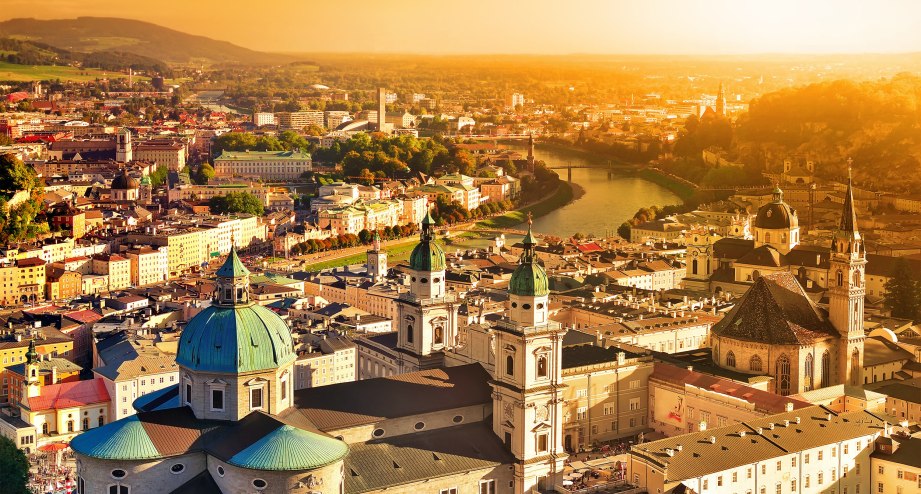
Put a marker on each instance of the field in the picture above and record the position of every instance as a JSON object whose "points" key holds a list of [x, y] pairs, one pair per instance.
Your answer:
{"points": [[396, 254], [18, 73]]}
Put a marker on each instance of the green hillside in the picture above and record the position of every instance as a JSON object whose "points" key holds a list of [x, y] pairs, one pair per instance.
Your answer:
{"points": [[102, 34]]}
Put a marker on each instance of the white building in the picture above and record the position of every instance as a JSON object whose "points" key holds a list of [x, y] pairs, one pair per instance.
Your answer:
{"points": [[272, 165]]}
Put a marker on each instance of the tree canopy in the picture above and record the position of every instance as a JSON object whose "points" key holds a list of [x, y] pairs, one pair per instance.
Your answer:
{"points": [[237, 202], [14, 467], [903, 292]]}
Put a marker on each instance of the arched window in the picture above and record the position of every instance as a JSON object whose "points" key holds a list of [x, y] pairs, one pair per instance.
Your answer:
{"points": [[755, 275], [101, 421], [855, 367], [840, 277], [510, 365], [767, 238], [782, 375], [70, 426], [409, 333], [694, 266], [730, 359], [542, 366], [826, 370], [45, 428], [86, 423], [754, 364], [857, 278], [439, 337], [808, 372]]}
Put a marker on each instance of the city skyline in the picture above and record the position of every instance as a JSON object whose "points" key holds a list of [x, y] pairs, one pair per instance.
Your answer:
{"points": [[709, 27]]}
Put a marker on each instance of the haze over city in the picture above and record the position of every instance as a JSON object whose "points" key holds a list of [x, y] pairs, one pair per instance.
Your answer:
{"points": [[536, 27]]}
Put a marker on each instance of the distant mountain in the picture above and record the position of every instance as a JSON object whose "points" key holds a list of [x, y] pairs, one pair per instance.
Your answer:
{"points": [[36, 53], [105, 34]]}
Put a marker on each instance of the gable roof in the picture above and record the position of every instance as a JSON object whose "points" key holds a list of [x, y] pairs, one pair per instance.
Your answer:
{"points": [[68, 395], [775, 310]]}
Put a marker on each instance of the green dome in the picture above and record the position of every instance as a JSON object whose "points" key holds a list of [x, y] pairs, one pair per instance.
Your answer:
{"points": [[427, 256], [290, 448], [530, 280], [235, 339]]}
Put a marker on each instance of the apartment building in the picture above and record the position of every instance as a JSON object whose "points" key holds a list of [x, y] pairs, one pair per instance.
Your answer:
{"points": [[148, 265], [115, 267], [326, 359], [298, 120], [130, 378], [22, 281], [163, 152]]}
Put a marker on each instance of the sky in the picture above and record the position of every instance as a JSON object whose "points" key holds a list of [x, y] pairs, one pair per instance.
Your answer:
{"points": [[702, 27]]}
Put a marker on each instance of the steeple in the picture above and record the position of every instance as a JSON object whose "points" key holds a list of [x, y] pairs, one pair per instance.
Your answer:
{"points": [[721, 101], [31, 354], [232, 281], [777, 194]]}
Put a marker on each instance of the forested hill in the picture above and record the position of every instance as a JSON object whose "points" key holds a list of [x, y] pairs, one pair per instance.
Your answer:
{"points": [[877, 123], [104, 34], [35, 53]]}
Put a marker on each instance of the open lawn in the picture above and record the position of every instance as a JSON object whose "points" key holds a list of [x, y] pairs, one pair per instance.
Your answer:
{"points": [[395, 255], [14, 72], [561, 196]]}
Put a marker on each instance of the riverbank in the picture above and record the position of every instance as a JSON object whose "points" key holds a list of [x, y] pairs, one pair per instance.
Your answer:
{"points": [[563, 195], [681, 188]]}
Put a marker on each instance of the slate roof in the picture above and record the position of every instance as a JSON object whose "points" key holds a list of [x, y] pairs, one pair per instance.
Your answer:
{"points": [[390, 462], [907, 453], [765, 255], [777, 311], [69, 394], [732, 248], [367, 401], [579, 355]]}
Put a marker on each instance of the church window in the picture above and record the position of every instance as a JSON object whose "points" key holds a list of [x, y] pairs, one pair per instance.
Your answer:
{"points": [[694, 266], [439, 337], [409, 333], [514, 305], [731, 359], [260, 484], [826, 370], [542, 366], [255, 398], [840, 277], [767, 238], [118, 473], [526, 306], [782, 374], [857, 278], [177, 468], [458, 419], [119, 489], [70, 426], [510, 365], [378, 432], [540, 306], [423, 280], [419, 426], [188, 393], [855, 366], [754, 364], [808, 372], [217, 399], [86, 423], [542, 443]]}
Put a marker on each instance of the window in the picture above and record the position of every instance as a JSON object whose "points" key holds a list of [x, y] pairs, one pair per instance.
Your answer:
{"points": [[778, 466], [81, 486], [820, 455], [719, 481], [806, 459], [487, 487], [118, 473], [378, 432], [419, 426], [260, 484], [730, 359], [542, 366], [458, 419], [510, 365], [452, 490], [881, 469], [119, 489], [806, 481], [808, 373], [439, 337], [255, 398], [735, 477], [217, 399], [188, 393], [542, 443], [581, 413], [783, 375], [755, 364], [177, 468], [581, 393], [778, 489], [793, 485], [706, 484], [409, 333], [826, 371], [284, 389], [634, 404], [818, 478]]}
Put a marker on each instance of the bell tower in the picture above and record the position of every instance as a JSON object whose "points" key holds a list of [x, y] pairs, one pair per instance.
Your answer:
{"points": [[527, 381], [377, 260], [426, 315], [846, 290], [123, 152]]}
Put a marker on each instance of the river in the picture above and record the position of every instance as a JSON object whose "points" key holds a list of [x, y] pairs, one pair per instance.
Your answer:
{"points": [[607, 201]]}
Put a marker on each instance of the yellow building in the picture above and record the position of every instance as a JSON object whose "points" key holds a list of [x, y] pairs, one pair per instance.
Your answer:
{"points": [[895, 466], [116, 267], [52, 342], [22, 281]]}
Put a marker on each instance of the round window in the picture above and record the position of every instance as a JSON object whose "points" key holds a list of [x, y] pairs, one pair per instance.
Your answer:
{"points": [[177, 468], [414, 278], [220, 471], [540, 306], [526, 306], [378, 432], [458, 419], [419, 426], [259, 484], [436, 280], [514, 304], [118, 473], [424, 280]]}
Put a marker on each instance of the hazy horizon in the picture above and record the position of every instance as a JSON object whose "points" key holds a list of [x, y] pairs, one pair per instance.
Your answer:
{"points": [[542, 27]]}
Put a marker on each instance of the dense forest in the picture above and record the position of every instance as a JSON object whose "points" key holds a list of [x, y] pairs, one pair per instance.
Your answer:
{"points": [[878, 124]]}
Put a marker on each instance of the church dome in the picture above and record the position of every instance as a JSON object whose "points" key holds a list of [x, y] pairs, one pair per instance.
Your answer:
{"points": [[427, 255], [123, 181], [777, 214], [234, 340], [529, 280]]}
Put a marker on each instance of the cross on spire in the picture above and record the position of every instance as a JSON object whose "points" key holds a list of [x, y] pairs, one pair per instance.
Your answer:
{"points": [[850, 162]]}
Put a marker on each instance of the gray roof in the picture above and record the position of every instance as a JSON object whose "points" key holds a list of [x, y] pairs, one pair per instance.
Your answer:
{"points": [[391, 462]]}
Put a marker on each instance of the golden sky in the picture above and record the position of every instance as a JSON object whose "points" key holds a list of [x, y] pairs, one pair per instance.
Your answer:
{"points": [[523, 26]]}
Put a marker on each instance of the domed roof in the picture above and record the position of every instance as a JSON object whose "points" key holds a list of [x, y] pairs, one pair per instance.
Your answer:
{"points": [[235, 339], [290, 448], [529, 279], [427, 255], [777, 214], [123, 181]]}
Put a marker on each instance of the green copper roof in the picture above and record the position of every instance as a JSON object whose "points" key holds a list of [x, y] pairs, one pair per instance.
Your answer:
{"points": [[427, 255], [145, 180], [529, 279], [124, 439], [290, 448], [235, 339], [233, 267]]}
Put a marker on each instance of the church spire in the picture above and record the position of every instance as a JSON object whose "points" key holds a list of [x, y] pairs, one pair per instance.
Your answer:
{"points": [[31, 354], [849, 214], [232, 281], [528, 242]]}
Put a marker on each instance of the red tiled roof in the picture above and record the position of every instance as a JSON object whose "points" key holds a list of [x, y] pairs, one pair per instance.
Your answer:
{"points": [[589, 247], [763, 400], [72, 394], [32, 261], [84, 316]]}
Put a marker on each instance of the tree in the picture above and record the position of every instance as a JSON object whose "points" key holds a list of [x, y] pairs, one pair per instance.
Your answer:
{"points": [[14, 468], [624, 230], [205, 173], [15, 175], [903, 291], [237, 202]]}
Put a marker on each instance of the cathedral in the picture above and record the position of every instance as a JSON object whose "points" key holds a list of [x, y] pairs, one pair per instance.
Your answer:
{"points": [[235, 423], [776, 329]]}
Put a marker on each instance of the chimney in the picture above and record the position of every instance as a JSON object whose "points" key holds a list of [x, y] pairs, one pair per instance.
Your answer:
{"points": [[786, 423], [678, 447], [828, 417], [669, 451], [760, 431], [796, 419], [741, 433], [788, 407], [54, 374]]}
